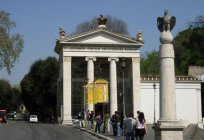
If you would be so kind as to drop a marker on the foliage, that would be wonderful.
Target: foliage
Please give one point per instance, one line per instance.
(150, 63)
(39, 88)
(11, 45)
(189, 50)
(9, 96)
(189, 46)
(113, 24)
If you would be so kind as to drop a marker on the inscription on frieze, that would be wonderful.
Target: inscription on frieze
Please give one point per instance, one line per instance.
(105, 49)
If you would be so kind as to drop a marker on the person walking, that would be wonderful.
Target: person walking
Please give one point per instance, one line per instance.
(113, 121)
(140, 130)
(106, 118)
(99, 121)
(129, 126)
(81, 118)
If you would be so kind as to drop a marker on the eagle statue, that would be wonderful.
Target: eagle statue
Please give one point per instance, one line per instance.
(102, 20)
(166, 23)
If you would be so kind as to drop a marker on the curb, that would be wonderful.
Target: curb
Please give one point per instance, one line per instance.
(93, 133)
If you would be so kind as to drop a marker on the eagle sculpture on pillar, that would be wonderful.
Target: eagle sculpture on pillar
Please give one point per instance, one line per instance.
(166, 23)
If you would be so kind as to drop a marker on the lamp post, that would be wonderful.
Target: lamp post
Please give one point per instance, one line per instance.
(123, 64)
(154, 87)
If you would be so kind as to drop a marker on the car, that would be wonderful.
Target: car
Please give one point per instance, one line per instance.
(33, 118)
(11, 115)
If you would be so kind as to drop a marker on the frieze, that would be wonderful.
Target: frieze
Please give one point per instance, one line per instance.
(105, 49)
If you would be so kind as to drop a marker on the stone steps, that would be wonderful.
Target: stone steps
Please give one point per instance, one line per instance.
(198, 135)
(193, 132)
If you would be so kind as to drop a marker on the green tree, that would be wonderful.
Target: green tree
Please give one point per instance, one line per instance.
(39, 88)
(9, 96)
(11, 45)
(189, 46)
(150, 63)
(113, 24)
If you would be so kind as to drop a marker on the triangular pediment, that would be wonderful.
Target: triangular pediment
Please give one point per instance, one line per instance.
(100, 36)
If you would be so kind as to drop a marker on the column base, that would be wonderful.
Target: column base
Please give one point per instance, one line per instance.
(67, 122)
(168, 130)
(201, 125)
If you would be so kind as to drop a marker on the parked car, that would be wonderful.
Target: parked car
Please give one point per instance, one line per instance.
(33, 118)
(11, 115)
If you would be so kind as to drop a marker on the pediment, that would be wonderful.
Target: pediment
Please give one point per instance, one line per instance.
(100, 36)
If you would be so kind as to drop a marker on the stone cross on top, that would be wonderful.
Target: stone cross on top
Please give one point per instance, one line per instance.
(102, 21)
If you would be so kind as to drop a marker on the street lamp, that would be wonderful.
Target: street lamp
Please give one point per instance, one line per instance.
(123, 64)
(154, 87)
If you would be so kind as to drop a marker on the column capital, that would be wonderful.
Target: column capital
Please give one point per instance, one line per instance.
(113, 58)
(90, 58)
(66, 58)
(135, 59)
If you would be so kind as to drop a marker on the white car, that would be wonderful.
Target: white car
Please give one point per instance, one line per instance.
(33, 118)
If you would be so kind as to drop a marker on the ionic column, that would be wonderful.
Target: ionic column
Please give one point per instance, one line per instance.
(90, 68)
(66, 89)
(90, 77)
(113, 85)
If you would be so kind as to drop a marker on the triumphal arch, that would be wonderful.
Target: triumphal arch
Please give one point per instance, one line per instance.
(94, 50)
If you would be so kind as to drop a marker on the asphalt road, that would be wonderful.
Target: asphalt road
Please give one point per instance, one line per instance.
(38, 131)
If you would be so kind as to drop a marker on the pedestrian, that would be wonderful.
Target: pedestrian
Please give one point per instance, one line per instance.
(92, 120)
(81, 118)
(140, 130)
(106, 118)
(5, 119)
(88, 120)
(129, 127)
(115, 121)
(99, 121)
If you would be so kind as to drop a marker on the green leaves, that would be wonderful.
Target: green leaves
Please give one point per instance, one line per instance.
(189, 46)
(9, 96)
(11, 45)
(39, 87)
(150, 63)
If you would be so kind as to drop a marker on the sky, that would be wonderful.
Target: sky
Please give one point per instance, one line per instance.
(38, 21)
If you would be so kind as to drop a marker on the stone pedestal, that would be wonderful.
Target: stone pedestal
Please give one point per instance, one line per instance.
(168, 130)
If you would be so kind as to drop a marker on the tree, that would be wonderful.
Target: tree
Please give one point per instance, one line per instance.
(150, 63)
(9, 96)
(189, 46)
(113, 24)
(189, 50)
(39, 88)
(11, 45)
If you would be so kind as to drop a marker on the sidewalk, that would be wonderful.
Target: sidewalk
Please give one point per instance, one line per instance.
(109, 136)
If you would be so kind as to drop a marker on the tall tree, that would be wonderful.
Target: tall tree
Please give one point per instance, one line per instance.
(189, 46)
(11, 45)
(113, 24)
(150, 63)
(9, 96)
(39, 88)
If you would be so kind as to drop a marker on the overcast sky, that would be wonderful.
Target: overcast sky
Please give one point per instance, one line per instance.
(39, 20)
